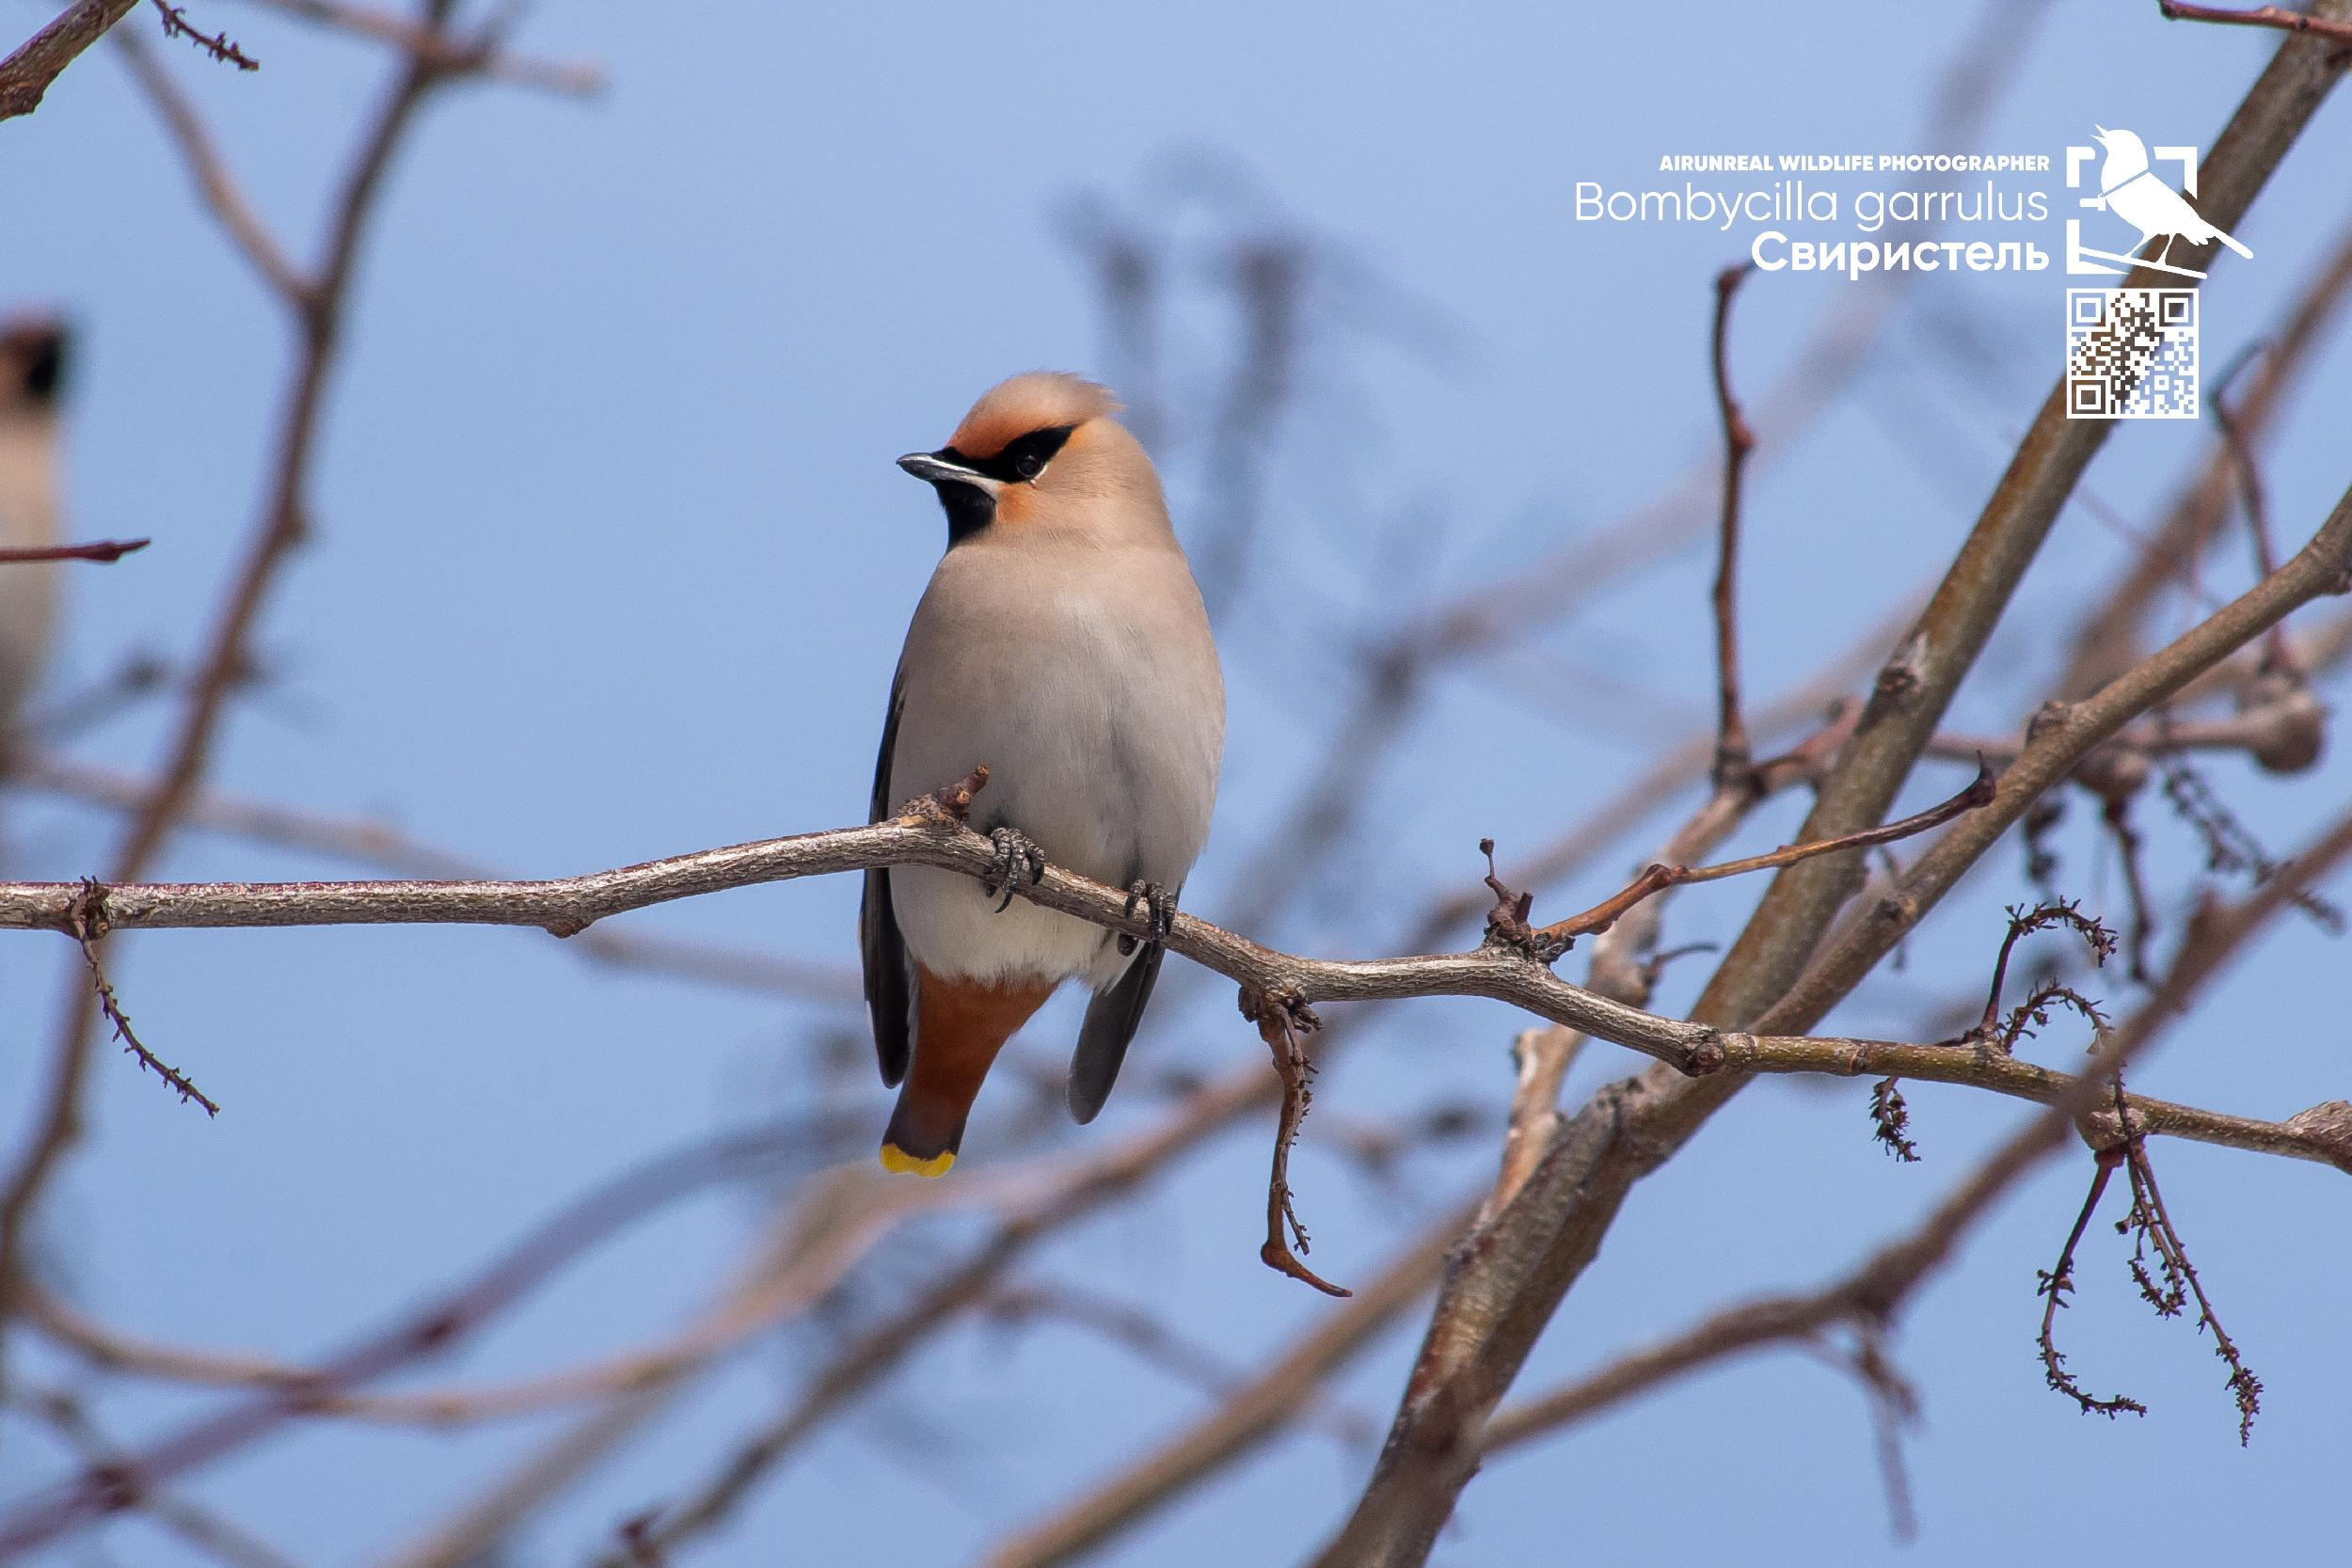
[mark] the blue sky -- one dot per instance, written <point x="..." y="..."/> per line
<point x="612" y="562"/>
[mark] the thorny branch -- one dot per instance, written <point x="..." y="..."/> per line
<point x="1890" y="1120"/>
<point x="89" y="916"/>
<point x="2057" y="1283"/>
<point x="2150" y="1226"/>
<point x="2154" y="1227"/>
<point x="2024" y="923"/>
<point x="1283" y="1023"/>
<point x="217" y="46"/>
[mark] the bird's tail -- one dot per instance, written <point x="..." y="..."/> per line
<point x="960" y="1025"/>
<point x="2230" y="240"/>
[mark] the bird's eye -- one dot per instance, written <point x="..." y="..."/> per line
<point x="1023" y="460"/>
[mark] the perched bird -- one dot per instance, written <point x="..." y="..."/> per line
<point x="32" y="371"/>
<point x="1062" y="643"/>
<point x="2129" y="188"/>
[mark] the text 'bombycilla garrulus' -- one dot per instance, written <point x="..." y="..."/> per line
<point x="32" y="371"/>
<point x="1061" y="643"/>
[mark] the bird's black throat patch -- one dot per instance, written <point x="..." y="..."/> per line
<point x="969" y="509"/>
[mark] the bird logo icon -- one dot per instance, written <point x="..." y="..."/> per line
<point x="2130" y="188"/>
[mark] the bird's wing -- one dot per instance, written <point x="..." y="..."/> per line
<point x="1110" y="1025"/>
<point x="889" y="975"/>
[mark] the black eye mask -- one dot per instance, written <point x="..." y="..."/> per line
<point x="1023" y="459"/>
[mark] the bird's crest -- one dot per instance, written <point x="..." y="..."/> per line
<point x="1038" y="400"/>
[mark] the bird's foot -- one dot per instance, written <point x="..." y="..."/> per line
<point x="1018" y="863"/>
<point x="1159" y="909"/>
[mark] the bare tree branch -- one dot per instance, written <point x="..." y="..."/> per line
<point x="1875" y="1290"/>
<point x="318" y="313"/>
<point x="1532" y="1254"/>
<point x="365" y="842"/>
<point x="25" y="75"/>
<point x="569" y="905"/>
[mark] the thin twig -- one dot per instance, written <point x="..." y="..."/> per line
<point x="2116" y="817"/>
<point x="1284" y="1020"/>
<point x="100" y="550"/>
<point x="2277" y="655"/>
<point x="1658" y="877"/>
<point x="215" y="44"/>
<point x="1731" y="730"/>
<point x="2023" y="923"/>
<point x="2056" y="1282"/>
<point x="2245" y="1388"/>
<point x="2260" y="16"/>
<point x="378" y="844"/>
<point x="90" y="929"/>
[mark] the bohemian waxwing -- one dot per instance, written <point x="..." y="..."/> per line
<point x="1061" y="643"/>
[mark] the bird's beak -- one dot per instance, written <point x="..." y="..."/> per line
<point x="931" y="468"/>
<point x="2099" y="134"/>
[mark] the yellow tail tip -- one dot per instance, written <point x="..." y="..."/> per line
<point x="898" y="1159"/>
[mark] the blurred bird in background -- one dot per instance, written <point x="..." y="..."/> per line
<point x="1061" y="643"/>
<point x="32" y="372"/>
<point x="2130" y="189"/>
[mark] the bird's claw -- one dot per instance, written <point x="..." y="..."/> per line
<point x="1018" y="863"/>
<point x="1159" y="911"/>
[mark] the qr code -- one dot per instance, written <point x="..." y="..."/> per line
<point x="2131" y="354"/>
